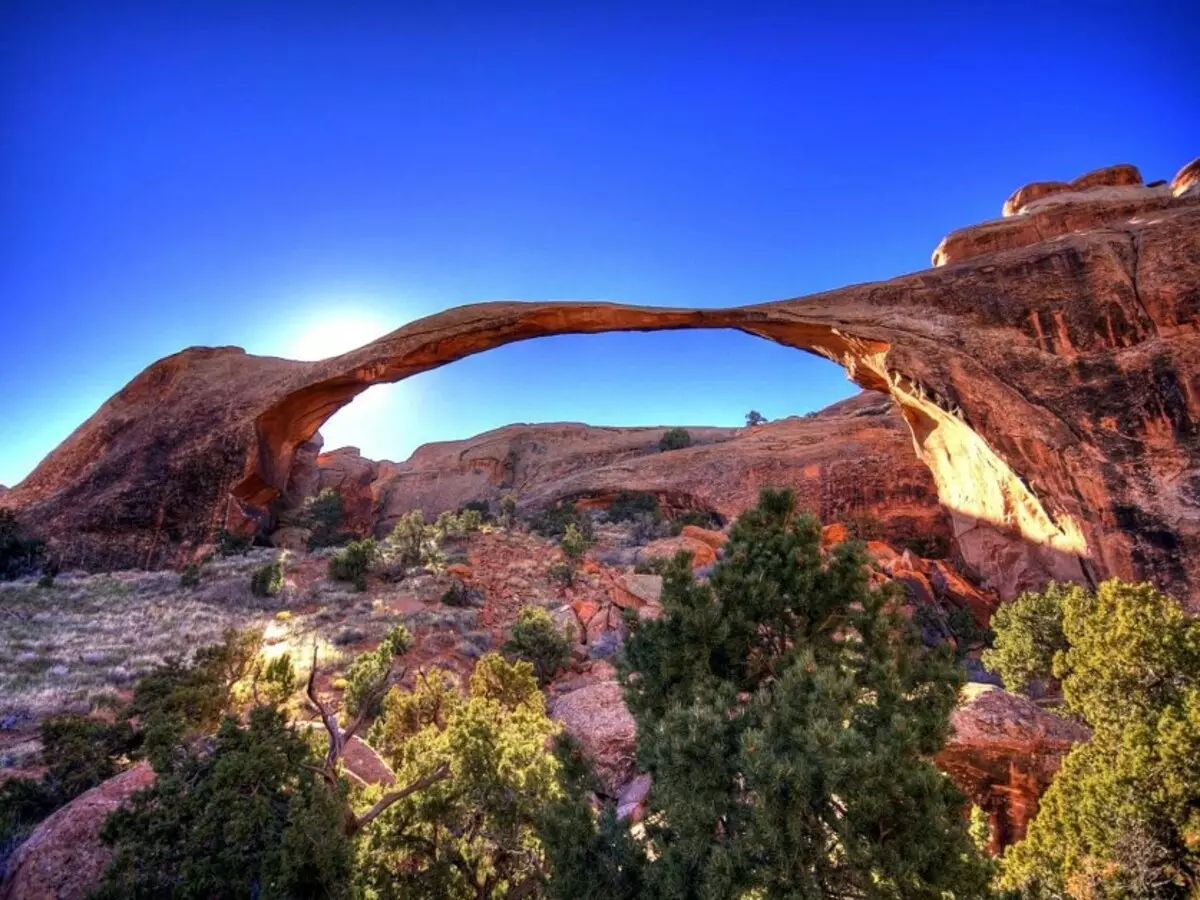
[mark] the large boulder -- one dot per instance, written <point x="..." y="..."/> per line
<point x="597" y="716"/>
<point x="64" y="858"/>
<point x="1004" y="752"/>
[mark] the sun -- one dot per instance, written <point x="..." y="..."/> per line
<point x="335" y="329"/>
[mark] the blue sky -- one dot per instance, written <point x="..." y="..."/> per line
<point x="297" y="177"/>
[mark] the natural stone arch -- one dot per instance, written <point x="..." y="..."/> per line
<point x="978" y="487"/>
<point x="1052" y="386"/>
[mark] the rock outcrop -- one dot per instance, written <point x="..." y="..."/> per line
<point x="64" y="857"/>
<point x="855" y="457"/>
<point x="1047" y="369"/>
<point x="531" y="461"/>
<point x="596" y="715"/>
<point x="1003" y="754"/>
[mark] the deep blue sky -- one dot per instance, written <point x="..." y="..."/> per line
<point x="294" y="177"/>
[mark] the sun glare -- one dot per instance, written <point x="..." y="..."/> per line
<point x="334" y="330"/>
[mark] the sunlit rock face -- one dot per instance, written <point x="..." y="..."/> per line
<point x="1049" y="380"/>
<point x="853" y="459"/>
<point x="1045" y="210"/>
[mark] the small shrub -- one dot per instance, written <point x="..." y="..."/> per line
<point x="646" y="528"/>
<point x="267" y="580"/>
<point x="459" y="595"/>
<point x="480" y="506"/>
<point x="508" y="510"/>
<point x="230" y="544"/>
<point x="323" y="515"/>
<point x="675" y="439"/>
<point x="453" y="526"/>
<point x="629" y="505"/>
<point x="173" y="698"/>
<point x="49" y="573"/>
<point x="412" y="542"/>
<point x="275" y="679"/>
<point x="349" y="635"/>
<point x="701" y="518"/>
<point x="539" y="641"/>
<point x="865" y="526"/>
<point x="966" y="631"/>
<point x="574" y="544"/>
<point x="353" y="562"/>
<point x="81" y="752"/>
<point x="552" y="521"/>
<point x="655" y="566"/>
<point x="370" y="671"/>
<point x="754" y="417"/>
<point x="24" y="803"/>
<point x="562" y="573"/>
<point x="190" y="576"/>
<point x="19" y="553"/>
<point x="1029" y="635"/>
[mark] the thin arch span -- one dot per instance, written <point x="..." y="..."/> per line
<point x="995" y="503"/>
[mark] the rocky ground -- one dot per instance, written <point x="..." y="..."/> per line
<point x="79" y="645"/>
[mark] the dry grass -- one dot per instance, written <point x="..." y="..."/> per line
<point x="82" y="641"/>
<point x="81" y="644"/>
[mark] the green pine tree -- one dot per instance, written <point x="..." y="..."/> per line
<point x="1122" y="818"/>
<point x="788" y="714"/>
<point x="470" y="835"/>
<point x="244" y="820"/>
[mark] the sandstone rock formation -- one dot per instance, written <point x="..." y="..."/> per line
<point x="64" y="857"/>
<point x="596" y="715"/>
<point x="855" y="457"/>
<point x="1003" y="755"/>
<point x="1047" y="370"/>
<point x="527" y="460"/>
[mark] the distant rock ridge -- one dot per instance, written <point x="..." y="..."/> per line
<point x="1047" y="368"/>
<point x="852" y="459"/>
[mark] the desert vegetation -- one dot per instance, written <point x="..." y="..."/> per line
<point x="787" y="713"/>
<point x="1122" y="818"/>
<point x="675" y="439"/>
<point x="20" y="553"/>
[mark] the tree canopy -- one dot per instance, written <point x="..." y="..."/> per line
<point x="1122" y="817"/>
<point x="787" y="713"/>
<point x="473" y="834"/>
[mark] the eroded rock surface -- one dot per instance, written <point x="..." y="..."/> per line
<point x="1003" y="754"/>
<point x="854" y="458"/>
<point x="1049" y="379"/>
<point x="597" y="716"/>
<point x="64" y="857"/>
